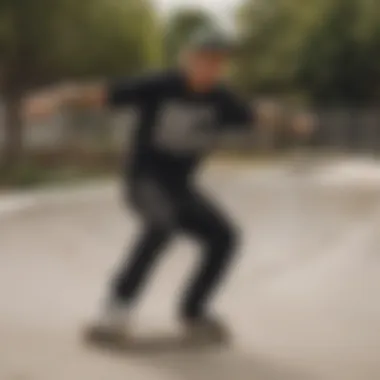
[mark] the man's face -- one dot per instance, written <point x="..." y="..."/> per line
<point x="206" y="68"/>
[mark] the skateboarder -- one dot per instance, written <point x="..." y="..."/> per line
<point x="181" y="113"/>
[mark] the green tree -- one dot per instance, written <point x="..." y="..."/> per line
<point x="43" y="41"/>
<point x="266" y="60"/>
<point x="326" y="50"/>
<point x="339" y="61"/>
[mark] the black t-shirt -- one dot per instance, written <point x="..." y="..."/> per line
<point x="177" y="126"/>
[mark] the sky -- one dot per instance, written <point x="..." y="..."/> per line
<point x="223" y="9"/>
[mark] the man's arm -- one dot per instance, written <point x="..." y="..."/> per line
<point x="87" y="96"/>
<point x="240" y="119"/>
<point x="118" y="93"/>
<point x="236" y="119"/>
<point x="235" y="114"/>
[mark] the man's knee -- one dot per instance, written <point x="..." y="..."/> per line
<point x="225" y="238"/>
<point x="157" y="235"/>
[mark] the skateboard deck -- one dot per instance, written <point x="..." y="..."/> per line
<point x="156" y="341"/>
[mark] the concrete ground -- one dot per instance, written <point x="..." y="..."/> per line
<point x="302" y="301"/>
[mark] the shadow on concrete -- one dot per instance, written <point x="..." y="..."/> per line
<point x="220" y="365"/>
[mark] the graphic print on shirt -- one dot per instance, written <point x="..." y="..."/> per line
<point x="184" y="128"/>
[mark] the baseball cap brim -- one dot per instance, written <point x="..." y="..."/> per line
<point x="212" y="42"/>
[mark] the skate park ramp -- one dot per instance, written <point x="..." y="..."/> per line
<point x="302" y="299"/>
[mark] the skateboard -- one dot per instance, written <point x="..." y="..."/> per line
<point x="155" y="341"/>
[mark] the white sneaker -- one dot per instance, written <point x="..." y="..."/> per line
<point x="112" y="323"/>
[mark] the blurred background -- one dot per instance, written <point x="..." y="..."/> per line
<point x="320" y="56"/>
<point x="303" y="303"/>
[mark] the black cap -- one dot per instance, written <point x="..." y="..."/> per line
<point x="211" y="41"/>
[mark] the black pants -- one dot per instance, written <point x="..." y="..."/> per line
<point x="165" y="212"/>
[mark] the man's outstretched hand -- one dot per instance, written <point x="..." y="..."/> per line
<point x="47" y="104"/>
<point x="271" y="115"/>
<point x="303" y="124"/>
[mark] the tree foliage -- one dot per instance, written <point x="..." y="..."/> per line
<point x="44" y="41"/>
<point x="326" y="50"/>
